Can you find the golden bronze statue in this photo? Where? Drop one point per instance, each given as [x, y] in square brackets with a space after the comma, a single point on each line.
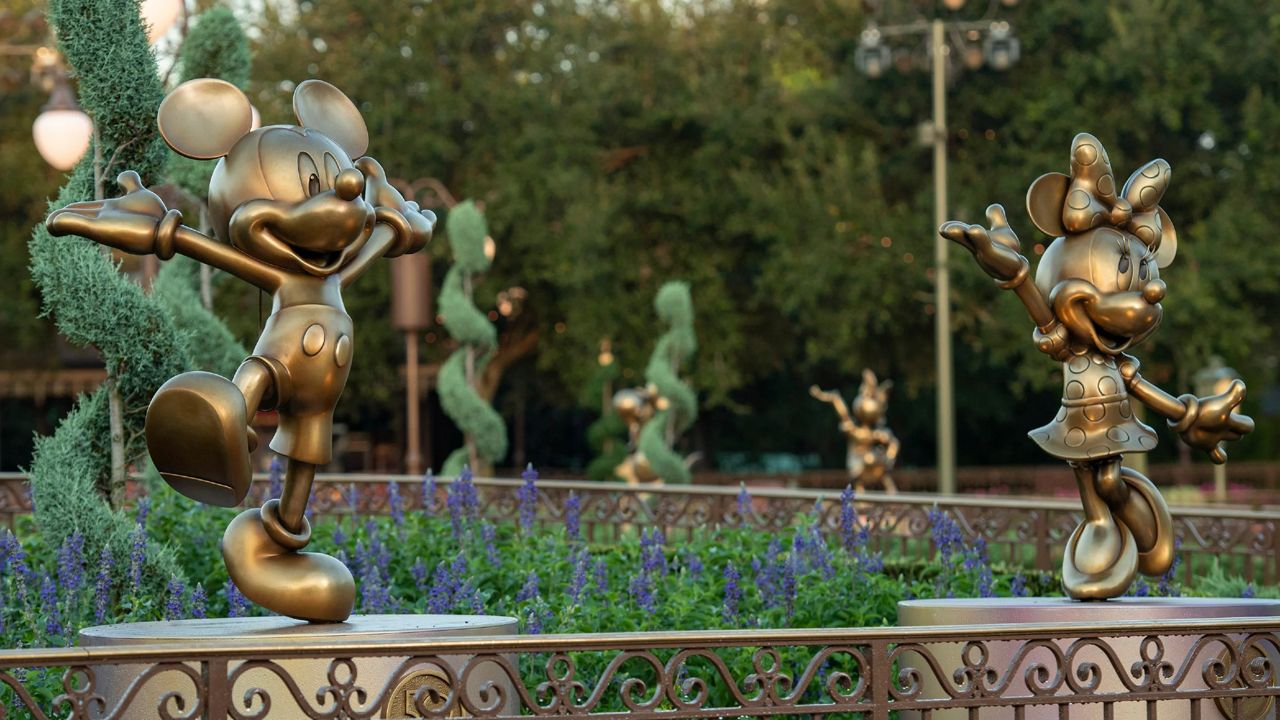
[636, 407]
[873, 448]
[296, 214]
[1096, 293]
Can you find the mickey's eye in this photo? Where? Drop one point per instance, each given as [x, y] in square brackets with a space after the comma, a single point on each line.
[313, 185]
[309, 175]
[1142, 269]
[1124, 264]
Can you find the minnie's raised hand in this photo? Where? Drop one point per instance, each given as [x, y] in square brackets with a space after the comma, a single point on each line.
[996, 249]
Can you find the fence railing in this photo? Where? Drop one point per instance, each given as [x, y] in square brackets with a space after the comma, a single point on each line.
[1029, 532]
[1196, 669]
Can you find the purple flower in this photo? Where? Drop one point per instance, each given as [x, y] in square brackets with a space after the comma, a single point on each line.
[1168, 585]
[1249, 591]
[578, 584]
[275, 477]
[463, 501]
[641, 590]
[693, 563]
[144, 509]
[339, 534]
[419, 574]
[652, 558]
[428, 493]
[137, 556]
[353, 498]
[527, 495]
[536, 617]
[530, 589]
[49, 606]
[198, 600]
[853, 534]
[71, 563]
[744, 504]
[601, 572]
[732, 594]
[237, 603]
[395, 504]
[102, 584]
[789, 585]
[573, 517]
[768, 574]
[489, 534]
[1018, 585]
[375, 593]
[443, 588]
[175, 606]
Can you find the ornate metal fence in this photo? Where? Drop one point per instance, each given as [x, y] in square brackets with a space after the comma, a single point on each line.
[1027, 532]
[1196, 669]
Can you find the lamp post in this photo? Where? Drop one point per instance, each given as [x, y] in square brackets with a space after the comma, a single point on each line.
[998, 49]
[1214, 379]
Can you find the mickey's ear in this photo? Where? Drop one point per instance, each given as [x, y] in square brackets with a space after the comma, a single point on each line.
[321, 106]
[1045, 199]
[204, 118]
[1168, 240]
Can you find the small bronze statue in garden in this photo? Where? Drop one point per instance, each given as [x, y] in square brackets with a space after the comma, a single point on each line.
[296, 214]
[1096, 293]
[636, 407]
[873, 448]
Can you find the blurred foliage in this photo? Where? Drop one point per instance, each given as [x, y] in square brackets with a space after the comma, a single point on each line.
[735, 145]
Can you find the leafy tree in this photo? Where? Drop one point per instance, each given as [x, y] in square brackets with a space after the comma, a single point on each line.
[677, 403]
[486, 435]
[77, 474]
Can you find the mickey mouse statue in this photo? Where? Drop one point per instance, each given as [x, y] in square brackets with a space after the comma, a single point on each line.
[297, 215]
[1096, 293]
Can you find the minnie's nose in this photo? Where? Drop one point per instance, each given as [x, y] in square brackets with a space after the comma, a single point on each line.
[349, 184]
[1154, 291]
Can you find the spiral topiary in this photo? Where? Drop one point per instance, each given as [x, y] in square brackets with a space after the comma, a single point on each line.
[677, 345]
[142, 341]
[477, 339]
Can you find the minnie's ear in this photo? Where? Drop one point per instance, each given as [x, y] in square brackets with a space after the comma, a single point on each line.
[1168, 240]
[204, 118]
[321, 106]
[1045, 199]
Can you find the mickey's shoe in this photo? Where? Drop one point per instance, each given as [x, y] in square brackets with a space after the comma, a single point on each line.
[199, 438]
[262, 558]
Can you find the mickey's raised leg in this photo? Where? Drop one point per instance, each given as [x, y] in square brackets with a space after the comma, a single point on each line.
[199, 438]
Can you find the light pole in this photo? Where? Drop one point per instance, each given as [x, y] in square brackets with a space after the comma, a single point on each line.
[1215, 379]
[999, 49]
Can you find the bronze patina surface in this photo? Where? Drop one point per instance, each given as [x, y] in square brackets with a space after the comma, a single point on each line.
[299, 212]
[1096, 293]
[873, 448]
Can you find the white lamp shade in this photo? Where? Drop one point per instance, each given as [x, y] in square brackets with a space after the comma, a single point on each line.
[159, 16]
[62, 136]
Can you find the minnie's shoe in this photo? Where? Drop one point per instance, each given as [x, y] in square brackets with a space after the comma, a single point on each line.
[199, 438]
[262, 558]
[1100, 561]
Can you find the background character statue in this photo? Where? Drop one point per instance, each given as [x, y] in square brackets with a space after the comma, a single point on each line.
[636, 407]
[1097, 292]
[296, 217]
[873, 448]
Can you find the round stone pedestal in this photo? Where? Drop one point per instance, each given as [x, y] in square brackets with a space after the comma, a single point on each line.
[1000, 653]
[308, 674]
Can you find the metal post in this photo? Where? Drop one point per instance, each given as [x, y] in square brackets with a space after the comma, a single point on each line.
[1220, 482]
[942, 279]
[413, 457]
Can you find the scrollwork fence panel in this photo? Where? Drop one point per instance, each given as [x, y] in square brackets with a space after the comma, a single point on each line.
[1195, 669]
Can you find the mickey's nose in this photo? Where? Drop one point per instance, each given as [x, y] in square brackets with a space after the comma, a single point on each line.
[1154, 291]
[349, 184]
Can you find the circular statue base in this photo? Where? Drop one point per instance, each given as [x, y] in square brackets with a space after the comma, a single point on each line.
[307, 675]
[1064, 667]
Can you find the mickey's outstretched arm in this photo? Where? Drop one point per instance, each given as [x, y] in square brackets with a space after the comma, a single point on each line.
[402, 227]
